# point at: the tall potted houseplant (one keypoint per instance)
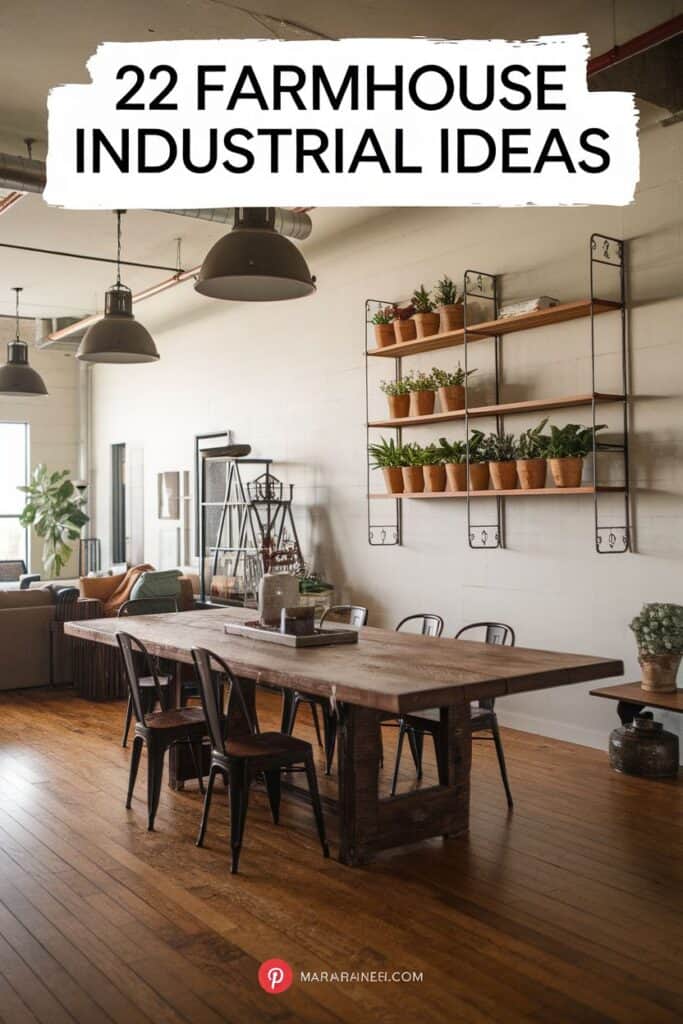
(54, 509)
(398, 397)
(502, 451)
(532, 465)
(450, 308)
(659, 635)
(433, 468)
(422, 394)
(383, 321)
(450, 385)
(567, 448)
(478, 458)
(404, 325)
(454, 455)
(386, 455)
(426, 320)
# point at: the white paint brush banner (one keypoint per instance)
(354, 122)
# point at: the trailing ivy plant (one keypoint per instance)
(533, 443)
(54, 509)
(385, 454)
(659, 629)
(450, 378)
(452, 451)
(571, 441)
(501, 447)
(395, 387)
(446, 293)
(422, 300)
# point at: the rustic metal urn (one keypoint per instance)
(644, 748)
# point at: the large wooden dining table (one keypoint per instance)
(385, 674)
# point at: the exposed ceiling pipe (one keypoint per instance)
(659, 34)
(22, 174)
(8, 201)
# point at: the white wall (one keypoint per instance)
(288, 378)
(53, 421)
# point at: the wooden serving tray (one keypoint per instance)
(272, 635)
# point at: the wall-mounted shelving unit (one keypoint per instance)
(610, 537)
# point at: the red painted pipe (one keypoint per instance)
(653, 36)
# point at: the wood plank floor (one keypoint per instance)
(568, 910)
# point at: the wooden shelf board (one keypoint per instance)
(517, 493)
(503, 409)
(509, 325)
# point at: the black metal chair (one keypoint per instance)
(430, 624)
(11, 570)
(147, 606)
(351, 615)
(483, 716)
(157, 730)
(239, 759)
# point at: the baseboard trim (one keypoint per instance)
(553, 729)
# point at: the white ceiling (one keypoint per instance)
(46, 43)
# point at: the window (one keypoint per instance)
(13, 474)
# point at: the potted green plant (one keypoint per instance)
(532, 465)
(450, 385)
(387, 455)
(478, 459)
(405, 328)
(398, 396)
(412, 461)
(426, 320)
(422, 393)
(454, 458)
(383, 321)
(451, 309)
(433, 468)
(659, 635)
(567, 448)
(54, 509)
(502, 454)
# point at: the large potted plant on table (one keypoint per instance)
(54, 509)
(659, 635)
(387, 456)
(567, 448)
(532, 465)
(426, 320)
(451, 309)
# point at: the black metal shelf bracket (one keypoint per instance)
(388, 532)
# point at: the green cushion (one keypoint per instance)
(165, 583)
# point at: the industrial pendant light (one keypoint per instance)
(118, 337)
(16, 376)
(253, 263)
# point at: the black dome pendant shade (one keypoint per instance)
(16, 376)
(118, 337)
(253, 263)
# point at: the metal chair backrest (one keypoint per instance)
(149, 606)
(496, 633)
(431, 625)
(353, 614)
(204, 662)
(130, 645)
(11, 569)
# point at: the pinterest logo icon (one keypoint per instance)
(275, 976)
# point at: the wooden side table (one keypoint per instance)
(632, 699)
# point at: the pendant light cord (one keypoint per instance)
(16, 310)
(118, 248)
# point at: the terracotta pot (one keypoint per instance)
(426, 324)
(451, 318)
(384, 335)
(659, 672)
(452, 397)
(503, 475)
(435, 478)
(567, 472)
(531, 473)
(405, 330)
(479, 476)
(393, 479)
(399, 406)
(422, 402)
(413, 479)
(456, 475)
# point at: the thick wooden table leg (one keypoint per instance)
(367, 823)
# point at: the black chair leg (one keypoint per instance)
(415, 742)
(196, 754)
(273, 789)
(501, 761)
(155, 769)
(207, 805)
(315, 800)
(397, 762)
(134, 765)
(316, 723)
(291, 716)
(239, 796)
(330, 732)
(127, 721)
